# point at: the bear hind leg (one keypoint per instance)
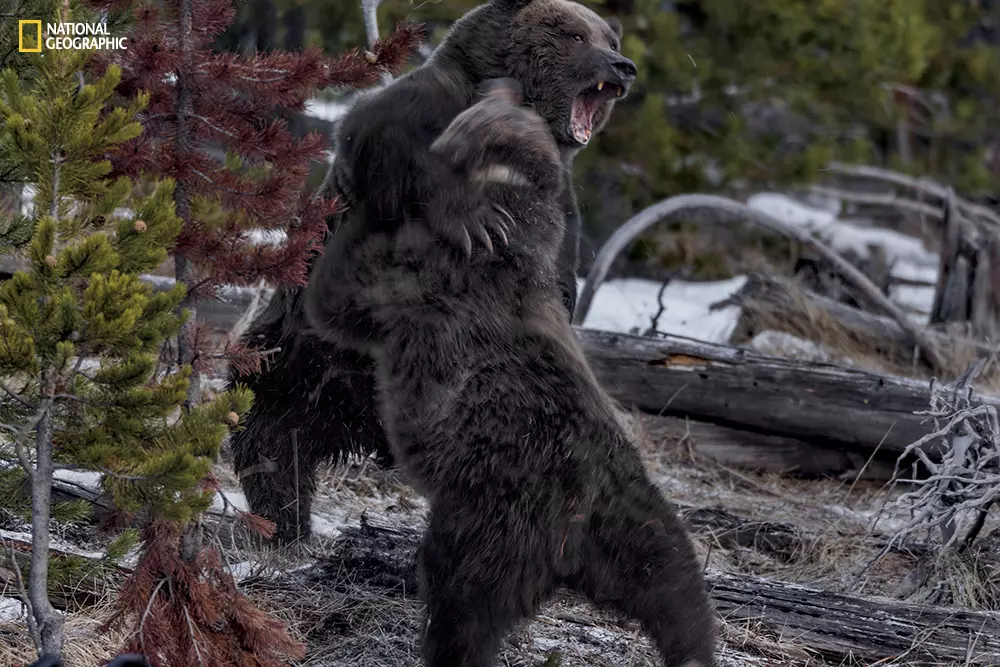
(639, 561)
(480, 577)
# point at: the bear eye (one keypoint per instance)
(578, 38)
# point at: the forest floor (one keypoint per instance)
(821, 534)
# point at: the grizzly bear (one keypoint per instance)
(314, 399)
(491, 408)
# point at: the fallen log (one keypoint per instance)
(836, 628)
(826, 405)
(761, 452)
(773, 304)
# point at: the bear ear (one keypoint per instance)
(616, 25)
(511, 5)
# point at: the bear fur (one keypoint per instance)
(314, 399)
(490, 406)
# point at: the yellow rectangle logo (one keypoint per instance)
(24, 45)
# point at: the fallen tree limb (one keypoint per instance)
(819, 403)
(924, 185)
(841, 629)
(651, 215)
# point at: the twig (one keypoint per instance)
(648, 217)
(369, 9)
(147, 611)
(36, 638)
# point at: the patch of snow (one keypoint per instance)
(843, 235)
(241, 570)
(787, 346)
(328, 524)
(326, 110)
(628, 305)
(920, 299)
(910, 271)
(11, 610)
(83, 478)
(235, 498)
(267, 237)
(54, 544)
(28, 199)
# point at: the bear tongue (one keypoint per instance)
(581, 121)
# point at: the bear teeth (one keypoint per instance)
(600, 85)
(618, 91)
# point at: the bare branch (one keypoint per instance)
(923, 184)
(878, 199)
(651, 215)
(17, 397)
(369, 8)
(23, 594)
(965, 483)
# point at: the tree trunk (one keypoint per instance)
(48, 621)
(183, 269)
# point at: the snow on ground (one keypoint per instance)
(907, 255)
(11, 610)
(844, 235)
(628, 305)
(55, 544)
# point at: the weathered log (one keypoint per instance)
(836, 628)
(819, 403)
(760, 452)
(968, 278)
(844, 629)
(776, 305)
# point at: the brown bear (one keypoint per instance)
(489, 404)
(314, 399)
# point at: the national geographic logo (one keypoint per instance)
(60, 36)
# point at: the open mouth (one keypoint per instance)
(585, 106)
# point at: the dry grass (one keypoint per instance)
(813, 324)
(85, 646)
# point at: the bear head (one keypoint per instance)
(566, 58)
(569, 63)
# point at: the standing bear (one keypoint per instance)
(490, 406)
(314, 399)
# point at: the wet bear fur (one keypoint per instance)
(314, 399)
(491, 408)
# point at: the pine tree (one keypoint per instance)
(203, 104)
(80, 383)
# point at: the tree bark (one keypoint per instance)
(48, 621)
(838, 408)
(183, 268)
